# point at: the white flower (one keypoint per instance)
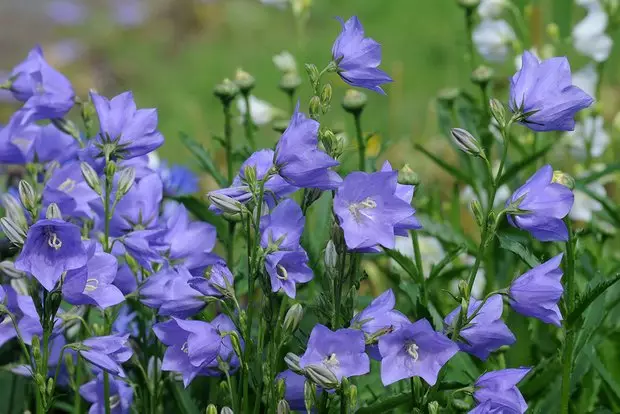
(285, 62)
(584, 207)
(491, 9)
(589, 132)
(261, 112)
(430, 249)
(589, 37)
(281, 4)
(493, 40)
(586, 79)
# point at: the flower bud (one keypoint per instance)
(50, 387)
(290, 82)
(280, 388)
(67, 127)
(463, 288)
(249, 173)
(315, 107)
(225, 203)
(482, 75)
(352, 396)
(244, 81)
(564, 179)
(283, 407)
(292, 361)
(433, 407)
(498, 111)
(313, 74)
(88, 113)
(153, 366)
(211, 409)
(226, 91)
(227, 410)
(406, 176)
(40, 382)
(476, 209)
(321, 376)
(36, 350)
(448, 95)
(125, 181)
(13, 210)
(553, 31)
(285, 62)
(91, 177)
(7, 268)
(53, 212)
(354, 101)
(50, 169)
(293, 318)
(331, 255)
(27, 195)
(309, 395)
(109, 170)
(236, 343)
(13, 231)
(466, 142)
(326, 95)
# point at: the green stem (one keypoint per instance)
(12, 394)
(228, 140)
(361, 144)
(418, 262)
(249, 125)
(469, 28)
(77, 399)
(569, 334)
(106, 392)
(413, 397)
(337, 287)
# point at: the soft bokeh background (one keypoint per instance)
(171, 53)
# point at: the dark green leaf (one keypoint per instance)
(446, 260)
(604, 373)
(204, 158)
(405, 262)
(522, 164)
(184, 402)
(589, 296)
(540, 377)
(200, 210)
(445, 166)
(507, 242)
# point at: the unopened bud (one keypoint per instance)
(40, 381)
(292, 361)
(313, 74)
(27, 195)
(433, 407)
(7, 268)
(448, 95)
(553, 31)
(290, 82)
(13, 231)
(244, 81)
(498, 111)
(226, 91)
(91, 177)
(321, 376)
(125, 181)
(283, 407)
(110, 169)
(36, 350)
(352, 396)
(53, 212)
(50, 386)
(211, 409)
(13, 210)
(280, 388)
(309, 395)
(314, 107)
(227, 410)
(463, 288)
(153, 366)
(50, 169)
(466, 142)
(469, 4)
(226, 204)
(249, 174)
(476, 209)
(285, 62)
(326, 95)
(406, 176)
(331, 255)
(88, 113)
(293, 318)
(566, 180)
(67, 127)
(354, 101)
(236, 343)
(482, 75)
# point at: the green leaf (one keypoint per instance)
(590, 296)
(445, 166)
(541, 376)
(405, 262)
(204, 158)
(507, 242)
(446, 233)
(604, 373)
(520, 165)
(200, 210)
(185, 404)
(446, 260)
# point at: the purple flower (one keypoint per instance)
(70, 192)
(498, 389)
(92, 284)
(545, 204)
(536, 293)
(125, 279)
(52, 247)
(487, 331)
(125, 322)
(67, 12)
(414, 350)
(545, 90)
(358, 57)
(143, 245)
(25, 312)
(121, 396)
(275, 186)
(108, 352)
(368, 209)
(191, 346)
(405, 193)
(132, 131)
(169, 291)
(17, 142)
(286, 269)
(52, 144)
(189, 241)
(342, 351)
(178, 180)
(222, 324)
(299, 160)
(216, 279)
(46, 93)
(380, 314)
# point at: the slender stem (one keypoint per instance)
(247, 122)
(230, 392)
(418, 262)
(469, 28)
(361, 144)
(106, 392)
(230, 252)
(291, 101)
(228, 140)
(413, 398)
(569, 333)
(343, 402)
(77, 399)
(337, 287)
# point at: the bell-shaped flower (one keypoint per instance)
(107, 352)
(497, 391)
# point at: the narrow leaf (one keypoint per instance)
(445, 166)
(183, 400)
(522, 164)
(204, 158)
(405, 262)
(590, 296)
(446, 260)
(509, 243)
(604, 373)
(446, 233)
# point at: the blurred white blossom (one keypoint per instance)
(281, 4)
(285, 62)
(430, 249)
(586, 79)
(588, 133)
(261, 111)
(584, 207)
(589, 37)
(493, 40)
(491, 9)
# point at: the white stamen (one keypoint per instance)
(185, 347)
(53, 241)
(115, 401)
(281, 272)
(367, 204)
(67, 186)
(331, 361)
(412, 350)
(91, 285)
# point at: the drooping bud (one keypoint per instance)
(244, 81)
(566, 180)
(293, 318)
(466, 142)
(354, 101)
(13, 231)
(53, 212)
(27, 195)
(211, 409)
(13, 210)
(226, 204)
(292, 361)
(91, 177)
(283, 407)
(309, 395)
(498, 111)
(482, 75)
(321, 376)
(125, 181)
(406, 176)
(314, 107)
(67, 127)
(226, 91)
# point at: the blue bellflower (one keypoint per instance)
(405, 193)
(169, 291)
(299, 160)
(545, 204)
(545, 91)
(216, 279)
(536, 293)
(498, 390)
(342, 351)
(52, 247)
(222, 324)
(23, 309)
(369, 209)
(487, 331)
(68, 189)
(108, 352)
(121, 396)
(358, 57)
(414, 350)
(178, 180)
(17, 142)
